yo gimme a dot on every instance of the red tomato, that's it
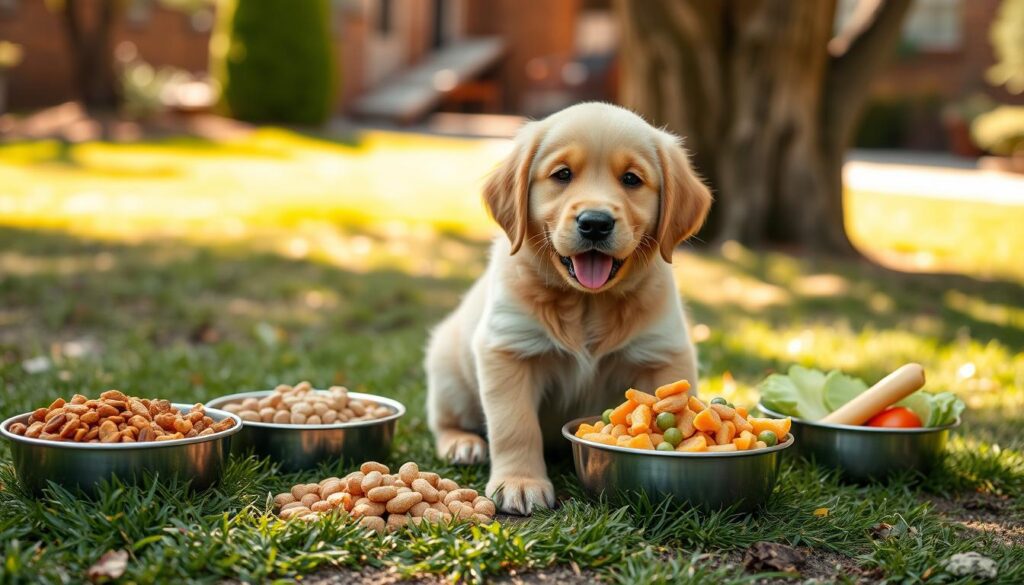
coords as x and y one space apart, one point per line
895 417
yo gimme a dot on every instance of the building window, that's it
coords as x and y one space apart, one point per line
930 25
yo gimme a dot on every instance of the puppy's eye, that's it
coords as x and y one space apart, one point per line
631 180
564 175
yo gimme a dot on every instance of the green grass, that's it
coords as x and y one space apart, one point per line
166 317
188 269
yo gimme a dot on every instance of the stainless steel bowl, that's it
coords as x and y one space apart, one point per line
299 447
866 453
709 481
84 465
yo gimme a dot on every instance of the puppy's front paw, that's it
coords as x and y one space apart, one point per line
521 495
462 448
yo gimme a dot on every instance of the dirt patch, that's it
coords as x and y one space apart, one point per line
820 566
985 514
560 575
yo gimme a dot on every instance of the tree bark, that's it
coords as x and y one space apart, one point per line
90 45
766 99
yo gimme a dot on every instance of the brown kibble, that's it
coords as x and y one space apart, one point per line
282 417
300 490
409 472
321 506
371 480
369 466
68 430
182 425
401 503
396 521
18 428
483 505
355 481
54 424
341 500
298 511
91 417
369 509
170 437
39 414
139 422
76 409
463 495
291 505
447 484
145 435
57 404
34 430
165 420
330 487
418 509
425 489
382 493
434 515
205 432
113 395
374 523
430 477
78 399
309 499
108 432
482 518
283 499
80 433
388 479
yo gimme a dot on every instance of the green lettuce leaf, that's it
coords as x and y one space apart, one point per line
840 389
920 403
946 408
799 394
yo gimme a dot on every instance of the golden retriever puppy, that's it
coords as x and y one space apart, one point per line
578 302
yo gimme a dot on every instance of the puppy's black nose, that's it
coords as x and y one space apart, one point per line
595 225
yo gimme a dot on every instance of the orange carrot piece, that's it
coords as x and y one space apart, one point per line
696 405
779 426
697 442
641 420
641 397
618 416
726 434
599 438
708 421
674 403
722 448
641 442
680 387
684 422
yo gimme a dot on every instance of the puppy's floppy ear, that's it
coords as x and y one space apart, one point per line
507 190
684 197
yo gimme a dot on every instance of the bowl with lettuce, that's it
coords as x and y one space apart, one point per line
908 436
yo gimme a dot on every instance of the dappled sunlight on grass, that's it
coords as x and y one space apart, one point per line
270 177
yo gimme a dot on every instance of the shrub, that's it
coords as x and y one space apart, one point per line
273 60
1000 131
1007 36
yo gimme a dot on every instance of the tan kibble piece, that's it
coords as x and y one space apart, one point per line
313 420
447 484
330 417
482 518
425 489
300 490
371 480
298 419
418 509
303 409
375 523
294 512
369 509
282 417
267 414
433 515
332 486
396 521
309 499
401 503
409 472
291 505
339 500
355 482
374 466
484 506
382 493
388 479
440 507
321 506
283 499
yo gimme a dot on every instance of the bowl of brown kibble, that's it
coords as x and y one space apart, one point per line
83 441
300 427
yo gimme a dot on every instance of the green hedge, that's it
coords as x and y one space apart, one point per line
273 59
1000 131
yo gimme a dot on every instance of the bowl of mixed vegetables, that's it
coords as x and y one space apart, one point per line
909 435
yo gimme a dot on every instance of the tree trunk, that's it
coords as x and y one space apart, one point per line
89 38
766 100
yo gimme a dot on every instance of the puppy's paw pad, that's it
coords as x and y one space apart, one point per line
521 495
465 449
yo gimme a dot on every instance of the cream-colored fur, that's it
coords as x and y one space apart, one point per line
530 347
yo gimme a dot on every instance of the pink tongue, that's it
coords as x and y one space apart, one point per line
592 268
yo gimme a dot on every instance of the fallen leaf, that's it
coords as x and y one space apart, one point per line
927 573
881 531
110 566
772 556
821 512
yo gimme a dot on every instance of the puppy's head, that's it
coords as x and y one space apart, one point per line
596 191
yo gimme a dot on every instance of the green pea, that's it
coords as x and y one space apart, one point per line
607 417
768 437
673 436
665 420
730 405
663 446
719 400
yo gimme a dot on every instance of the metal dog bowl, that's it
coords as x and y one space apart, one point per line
863 453
710 481
299 447
84 465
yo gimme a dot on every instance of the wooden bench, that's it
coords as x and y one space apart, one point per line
415 92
